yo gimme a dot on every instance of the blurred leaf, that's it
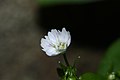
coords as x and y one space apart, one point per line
72 78
112 58
51 2
91 76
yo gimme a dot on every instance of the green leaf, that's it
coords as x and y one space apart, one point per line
91 76
72 78
111 59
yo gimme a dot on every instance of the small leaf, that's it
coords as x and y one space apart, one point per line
91 76
72 78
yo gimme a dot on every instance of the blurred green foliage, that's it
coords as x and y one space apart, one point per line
54 2
110 63
92 76
111 60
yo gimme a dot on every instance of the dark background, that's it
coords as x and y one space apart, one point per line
91 24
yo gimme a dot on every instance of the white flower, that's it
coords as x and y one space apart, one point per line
56 42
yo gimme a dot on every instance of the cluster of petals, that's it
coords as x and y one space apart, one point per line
56 42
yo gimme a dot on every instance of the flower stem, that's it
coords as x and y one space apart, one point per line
65 58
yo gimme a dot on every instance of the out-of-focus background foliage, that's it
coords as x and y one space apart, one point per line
24 22
54 2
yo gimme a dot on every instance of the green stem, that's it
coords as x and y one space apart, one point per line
65 58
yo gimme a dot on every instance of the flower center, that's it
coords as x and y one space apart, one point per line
61 47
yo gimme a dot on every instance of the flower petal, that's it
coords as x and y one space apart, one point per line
51 52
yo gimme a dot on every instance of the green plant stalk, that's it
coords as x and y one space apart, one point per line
65 58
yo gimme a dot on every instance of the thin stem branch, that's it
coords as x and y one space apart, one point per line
65 58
